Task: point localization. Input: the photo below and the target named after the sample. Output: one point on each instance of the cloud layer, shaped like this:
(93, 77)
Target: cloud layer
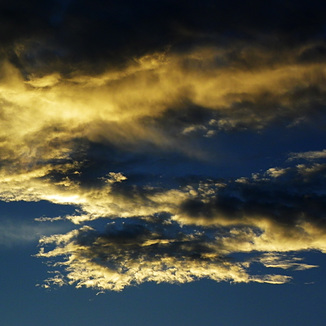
(129, 113)
(207, 230)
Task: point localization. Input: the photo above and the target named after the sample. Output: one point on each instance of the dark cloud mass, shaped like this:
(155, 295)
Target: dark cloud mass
(285, 201)
(187, 137)
(208, 230)
(92, 35)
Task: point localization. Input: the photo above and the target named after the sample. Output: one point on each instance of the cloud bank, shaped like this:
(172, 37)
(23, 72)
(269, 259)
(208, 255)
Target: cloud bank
(209, 230)
(127, 112)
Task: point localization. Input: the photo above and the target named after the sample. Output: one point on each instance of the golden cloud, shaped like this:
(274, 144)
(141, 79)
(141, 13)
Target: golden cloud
(47, 120)
(41, 116)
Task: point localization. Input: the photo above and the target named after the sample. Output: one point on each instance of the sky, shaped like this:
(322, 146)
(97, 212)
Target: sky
(162, 162)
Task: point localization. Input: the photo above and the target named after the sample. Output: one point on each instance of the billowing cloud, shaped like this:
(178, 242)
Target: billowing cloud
(49, 118)
(210, 230)
(130, 254)
(161, 102)
(122, 111)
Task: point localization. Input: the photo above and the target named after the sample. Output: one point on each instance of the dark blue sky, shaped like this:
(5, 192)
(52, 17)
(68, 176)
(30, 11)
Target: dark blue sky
(162, 162)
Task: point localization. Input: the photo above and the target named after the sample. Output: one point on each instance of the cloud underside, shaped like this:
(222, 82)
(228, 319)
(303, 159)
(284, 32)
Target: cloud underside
(135, 103)
(214, 230)
(90, 105)
(130, 253)
(135, 254)
(162, 102)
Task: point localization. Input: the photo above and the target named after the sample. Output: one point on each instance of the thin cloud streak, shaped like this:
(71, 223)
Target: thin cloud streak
(311, 155)
(20, 233)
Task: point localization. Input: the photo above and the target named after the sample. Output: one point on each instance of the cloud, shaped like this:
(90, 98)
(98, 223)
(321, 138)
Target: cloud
(120, 111)
(276, 260)
(154, 101)
(160, 103)
(17, 233)
(130, 254)
(207, 230)
(66, 36)
(311, 155)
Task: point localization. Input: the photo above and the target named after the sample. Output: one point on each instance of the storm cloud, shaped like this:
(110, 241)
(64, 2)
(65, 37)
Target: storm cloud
(187, 138)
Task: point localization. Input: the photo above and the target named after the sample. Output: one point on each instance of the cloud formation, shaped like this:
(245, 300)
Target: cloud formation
(135, 253)
(151, 102)
(122, 111)
(196, 232)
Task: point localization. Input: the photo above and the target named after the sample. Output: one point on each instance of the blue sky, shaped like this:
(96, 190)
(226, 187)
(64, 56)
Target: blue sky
(162, 162)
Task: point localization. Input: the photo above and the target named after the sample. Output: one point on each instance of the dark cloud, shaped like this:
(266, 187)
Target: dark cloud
(87, 35)
(208, 229)
(162, 238)
(132, 252)
(140, 112)
(313, 53)
(287, 199)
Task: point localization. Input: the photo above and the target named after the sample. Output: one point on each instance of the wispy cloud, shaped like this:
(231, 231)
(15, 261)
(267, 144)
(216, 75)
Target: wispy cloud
(19, 233)
(45, 118)
(138, 252)
(47, 144)
(311, 155)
